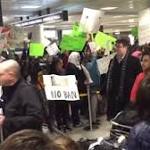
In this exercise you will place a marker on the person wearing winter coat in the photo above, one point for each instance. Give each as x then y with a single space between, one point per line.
139 138
75 67
20 105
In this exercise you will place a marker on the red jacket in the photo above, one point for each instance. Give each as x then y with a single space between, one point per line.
136 86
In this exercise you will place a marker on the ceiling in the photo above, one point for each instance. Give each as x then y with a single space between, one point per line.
123 17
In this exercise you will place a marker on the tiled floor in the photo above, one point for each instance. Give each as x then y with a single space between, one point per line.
78 133
102 131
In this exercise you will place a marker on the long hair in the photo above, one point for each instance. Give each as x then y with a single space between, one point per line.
143 99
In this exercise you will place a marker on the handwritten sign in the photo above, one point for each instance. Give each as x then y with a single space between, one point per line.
61 87
52 49
90 20
103 63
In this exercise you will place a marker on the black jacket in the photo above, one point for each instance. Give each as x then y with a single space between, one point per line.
80 76
133 68
22 108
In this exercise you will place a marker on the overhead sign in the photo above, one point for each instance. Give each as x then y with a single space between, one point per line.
61 87
53 17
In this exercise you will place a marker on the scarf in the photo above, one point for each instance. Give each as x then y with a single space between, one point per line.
122 78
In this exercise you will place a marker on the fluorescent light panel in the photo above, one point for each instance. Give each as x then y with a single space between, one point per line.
30 7
109 8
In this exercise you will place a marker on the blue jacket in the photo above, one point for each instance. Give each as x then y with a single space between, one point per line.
139 138
94 72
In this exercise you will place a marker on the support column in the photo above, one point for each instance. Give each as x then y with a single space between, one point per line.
1 14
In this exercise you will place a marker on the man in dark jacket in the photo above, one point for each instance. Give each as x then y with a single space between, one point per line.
20 103
122 72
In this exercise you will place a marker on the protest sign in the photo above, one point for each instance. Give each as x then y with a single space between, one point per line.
61 87
36 49
105 41
103 63
90 20
72 43
52 49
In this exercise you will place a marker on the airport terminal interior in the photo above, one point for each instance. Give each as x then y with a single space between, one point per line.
74 74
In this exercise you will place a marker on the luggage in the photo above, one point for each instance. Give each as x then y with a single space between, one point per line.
108 144
123 123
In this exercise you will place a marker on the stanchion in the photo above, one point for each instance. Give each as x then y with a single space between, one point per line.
89 106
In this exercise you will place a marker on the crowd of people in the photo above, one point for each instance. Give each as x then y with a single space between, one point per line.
126 83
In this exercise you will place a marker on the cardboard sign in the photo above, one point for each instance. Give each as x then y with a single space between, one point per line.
90 20
61 87
72 43
36 49
103 63
105 41
52 49
93 46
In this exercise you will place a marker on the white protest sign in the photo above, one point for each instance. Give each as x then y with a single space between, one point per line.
103 63
52 49
144 27
93 46
90 20
61 87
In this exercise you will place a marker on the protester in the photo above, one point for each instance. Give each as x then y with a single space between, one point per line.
61 107
28 140
20 101
122 72
91 65
75 67
139 138
142 75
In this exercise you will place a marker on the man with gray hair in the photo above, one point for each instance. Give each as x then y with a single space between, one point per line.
20 101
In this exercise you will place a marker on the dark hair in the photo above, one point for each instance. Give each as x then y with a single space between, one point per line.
124 42
146 52
143 99
54 64
28 140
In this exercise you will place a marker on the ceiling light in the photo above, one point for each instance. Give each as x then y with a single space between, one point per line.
131 2
117 16
131 20
117 33
131 6
109 8
30 7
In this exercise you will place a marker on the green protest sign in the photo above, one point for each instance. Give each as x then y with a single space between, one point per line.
36 49
77 30
72 43
105 41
